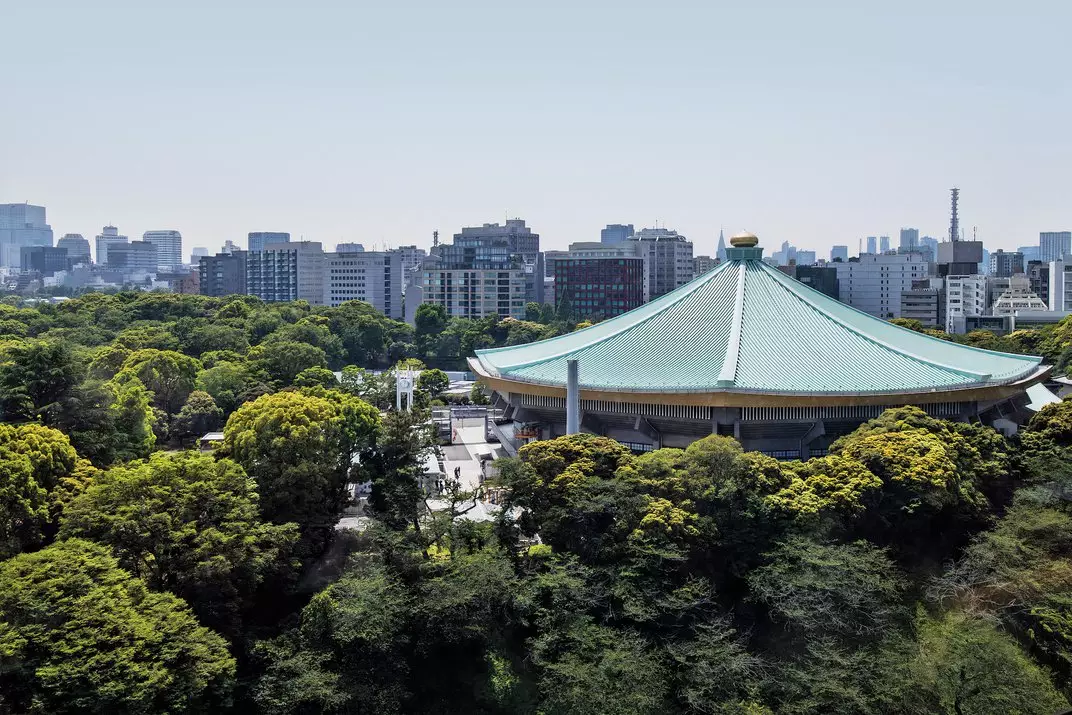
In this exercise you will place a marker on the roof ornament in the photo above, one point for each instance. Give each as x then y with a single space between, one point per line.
744 239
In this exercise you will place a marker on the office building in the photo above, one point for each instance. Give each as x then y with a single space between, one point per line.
839 253
222 274
964 296
108 236
46 260
1031 253
168 248
133 257
1060 293
230 246
925 302
805 258
1055 245
287 271
703 264
929 244
259 240
475 294
1017 297
883 244
959 258
599 280
1003 265
21 225
350 248
665 376
1038 276
872 245
874 283
77 248
669 259
373 277
197 254
909 239
411 257
549 258
616 233
822 278
493 246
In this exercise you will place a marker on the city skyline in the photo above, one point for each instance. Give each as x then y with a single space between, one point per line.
380 124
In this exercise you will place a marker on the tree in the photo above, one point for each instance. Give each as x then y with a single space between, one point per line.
434 382
132 416
284 360
169 375
478 394
394 464
35 377
300 449
23 504
199 415
430 320
81 635
225 381
186 523
312 376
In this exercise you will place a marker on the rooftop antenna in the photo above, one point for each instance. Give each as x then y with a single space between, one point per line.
954 221
435 238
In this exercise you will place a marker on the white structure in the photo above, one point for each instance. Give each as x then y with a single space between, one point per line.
1060 297
964 296
411 257
373 277
1018 297
468 293
287 271
77 247
874 283
404 382
108 236
1054 245
669 259
168 248
21 225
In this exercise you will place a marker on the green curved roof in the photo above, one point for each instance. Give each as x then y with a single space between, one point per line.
748 327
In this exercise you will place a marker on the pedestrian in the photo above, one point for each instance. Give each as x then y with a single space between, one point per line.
457 472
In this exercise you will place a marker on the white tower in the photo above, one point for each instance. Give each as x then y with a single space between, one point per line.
404 386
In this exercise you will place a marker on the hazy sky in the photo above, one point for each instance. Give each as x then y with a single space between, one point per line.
813 122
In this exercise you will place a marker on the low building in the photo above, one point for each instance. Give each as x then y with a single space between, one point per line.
475 294
1018 297
703 264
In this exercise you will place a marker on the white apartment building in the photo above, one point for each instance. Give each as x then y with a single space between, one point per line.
964 296
1060 297
874 283
475 294
373 277
107 236
168 248
669 259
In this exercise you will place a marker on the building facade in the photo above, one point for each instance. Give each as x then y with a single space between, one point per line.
77 248
925 302
874 283
259 240
1003 265
616 233
223 274
493 246
669 259
822 278
839 253
108 236
373 277
703 264
872 245
133 257
475 294
1054 245
1060 279
599 284
21 225
168 248
46 260
287 271
909 239
964 296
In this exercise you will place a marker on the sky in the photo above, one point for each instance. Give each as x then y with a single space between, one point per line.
819 123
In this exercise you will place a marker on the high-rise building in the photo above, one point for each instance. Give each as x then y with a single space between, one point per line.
669 259
959 258
77 248
168 248
475 294
805 258
512 246
549 258
230 246
411 257
46 260
1060 293
223 274
373 277
1055 245
616 233
1017 297
822 278
21 225
1038 276
134 257
720 254
909 238
1031 253
875 282
257 240
929 246
197 254
839 253
108 236
965 296
883 244
1003 265
287 271
599 287
872 245
703 264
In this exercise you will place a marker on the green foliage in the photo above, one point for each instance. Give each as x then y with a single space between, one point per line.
185 523
284 360
434 382
80 635
170 376
394 464
132 417
314 376
36 376
199 415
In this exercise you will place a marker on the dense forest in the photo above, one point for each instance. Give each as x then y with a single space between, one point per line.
923 566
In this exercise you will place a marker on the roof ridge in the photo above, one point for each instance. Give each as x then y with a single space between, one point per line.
728 374
685 291
788 285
